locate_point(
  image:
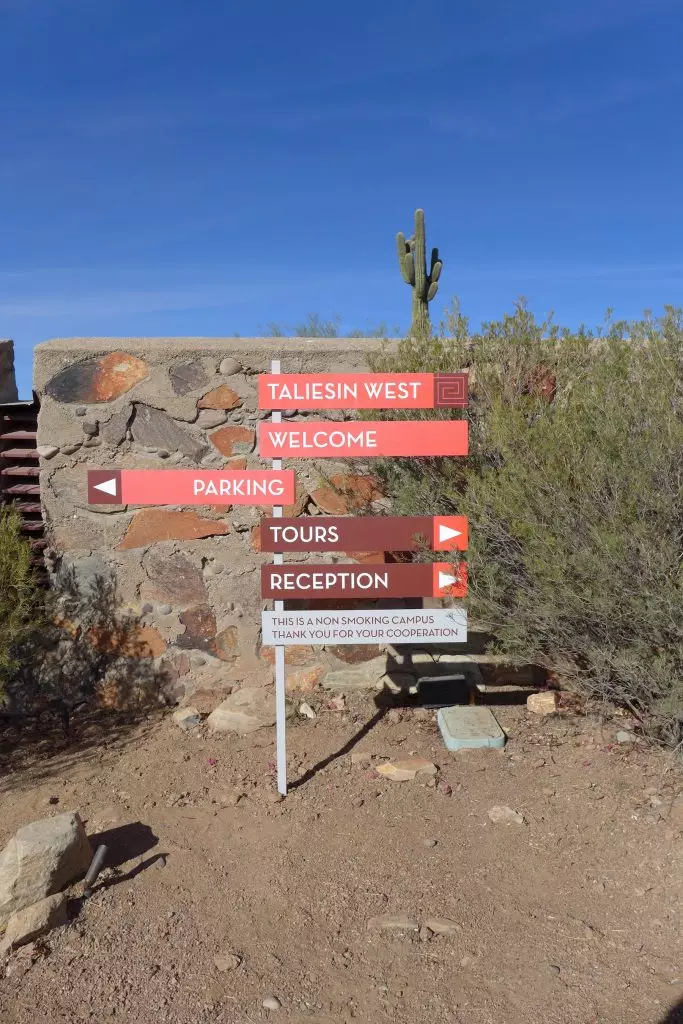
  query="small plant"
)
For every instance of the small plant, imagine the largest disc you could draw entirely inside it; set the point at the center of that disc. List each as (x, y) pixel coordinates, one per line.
(21, 604)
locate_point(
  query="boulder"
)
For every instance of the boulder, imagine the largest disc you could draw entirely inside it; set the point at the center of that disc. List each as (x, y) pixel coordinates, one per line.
(30, 923)
(245, 711)
(40, 860)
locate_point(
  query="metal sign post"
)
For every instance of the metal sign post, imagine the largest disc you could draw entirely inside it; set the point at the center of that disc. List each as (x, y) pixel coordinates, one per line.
(280, 738)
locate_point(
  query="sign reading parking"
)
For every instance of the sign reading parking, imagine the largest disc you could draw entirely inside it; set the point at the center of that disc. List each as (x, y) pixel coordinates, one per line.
(190, 487)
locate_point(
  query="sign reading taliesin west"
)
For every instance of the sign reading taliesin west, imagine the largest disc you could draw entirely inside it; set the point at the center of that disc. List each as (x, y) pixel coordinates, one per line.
(363, 391)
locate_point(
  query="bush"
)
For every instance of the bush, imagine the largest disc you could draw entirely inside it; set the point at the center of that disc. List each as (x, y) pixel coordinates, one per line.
(574, 490)
(20, 597)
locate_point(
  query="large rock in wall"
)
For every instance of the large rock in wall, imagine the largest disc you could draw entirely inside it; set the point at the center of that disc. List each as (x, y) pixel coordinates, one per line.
(189, 576)
(8, 383)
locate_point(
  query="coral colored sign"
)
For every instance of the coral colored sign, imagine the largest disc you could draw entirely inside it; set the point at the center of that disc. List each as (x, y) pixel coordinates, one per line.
(322, 440)
(439, 579)
(362, 391)
(364, 533)
(190, 487)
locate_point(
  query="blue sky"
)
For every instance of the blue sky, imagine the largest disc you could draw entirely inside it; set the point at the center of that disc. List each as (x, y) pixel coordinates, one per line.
(208, 167)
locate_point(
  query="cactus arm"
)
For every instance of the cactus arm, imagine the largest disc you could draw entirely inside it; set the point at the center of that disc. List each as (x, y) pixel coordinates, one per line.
(403, 253)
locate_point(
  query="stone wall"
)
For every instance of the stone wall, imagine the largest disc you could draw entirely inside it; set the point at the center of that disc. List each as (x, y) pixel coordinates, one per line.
(190, 576)
(8, 383)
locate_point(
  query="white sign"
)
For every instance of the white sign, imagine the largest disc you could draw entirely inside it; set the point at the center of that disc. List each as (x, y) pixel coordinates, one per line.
(379, 626)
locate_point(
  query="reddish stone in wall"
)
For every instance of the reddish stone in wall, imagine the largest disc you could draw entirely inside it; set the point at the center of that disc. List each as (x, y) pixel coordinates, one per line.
(153, 525)
(224, 645)
(305, 680)
(173, 578)
(234, 440)
(288, 511)
(220, 398)
(366, 557)
(239, 463)
(97, 380)
(200, 627)
(294, 655)
(133, 642)
(346, 492)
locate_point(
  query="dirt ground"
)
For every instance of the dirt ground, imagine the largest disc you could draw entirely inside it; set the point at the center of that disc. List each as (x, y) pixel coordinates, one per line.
(573, 916)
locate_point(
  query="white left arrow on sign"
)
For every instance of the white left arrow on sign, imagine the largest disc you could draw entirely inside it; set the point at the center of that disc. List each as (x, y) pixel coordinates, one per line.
(108, 486)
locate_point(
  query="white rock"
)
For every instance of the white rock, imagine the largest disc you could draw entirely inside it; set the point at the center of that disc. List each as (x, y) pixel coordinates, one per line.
(244, 711)
(406, 769)
(47, 451)
(393, 923)
(229, 366)
(227, 961)
(505, 814)
(40, 859)
(271, 1003)
(187, 718)
(625, 737)
(542, 703)
(306, 710)
(30, 923)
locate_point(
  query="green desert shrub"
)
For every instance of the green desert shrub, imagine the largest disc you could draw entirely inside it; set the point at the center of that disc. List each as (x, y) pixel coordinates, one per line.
(21, 604)
(574, 491)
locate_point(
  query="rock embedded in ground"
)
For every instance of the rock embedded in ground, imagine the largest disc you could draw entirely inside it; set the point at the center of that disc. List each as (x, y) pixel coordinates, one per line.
(244, 712)
(542, 703)
(625, 737)
(502, 813)
(442, 926)
(227, 961)
(187, 718)
(393, 923)
(406, 769)
(271, 1003)
(40, 859)
(26, 925)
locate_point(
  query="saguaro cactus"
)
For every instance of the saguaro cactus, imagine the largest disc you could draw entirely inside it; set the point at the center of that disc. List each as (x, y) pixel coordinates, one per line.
(412, 258)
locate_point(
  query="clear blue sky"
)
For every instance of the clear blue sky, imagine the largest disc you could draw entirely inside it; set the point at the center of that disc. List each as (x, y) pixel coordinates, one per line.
(206, 167)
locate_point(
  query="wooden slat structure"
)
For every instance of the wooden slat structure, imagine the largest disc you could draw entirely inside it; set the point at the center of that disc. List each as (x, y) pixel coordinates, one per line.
(20, 472)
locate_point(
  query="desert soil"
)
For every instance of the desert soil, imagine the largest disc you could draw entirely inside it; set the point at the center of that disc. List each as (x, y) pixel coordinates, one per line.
(216, 897)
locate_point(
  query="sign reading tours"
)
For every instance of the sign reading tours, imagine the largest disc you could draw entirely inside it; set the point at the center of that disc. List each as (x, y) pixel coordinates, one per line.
(398, 626)
(190, 487)
(311, 582)
(362, 391)
(364, 533)
(320, 440)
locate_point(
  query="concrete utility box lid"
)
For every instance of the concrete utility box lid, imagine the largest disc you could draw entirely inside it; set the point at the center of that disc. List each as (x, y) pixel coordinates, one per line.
(472, 726)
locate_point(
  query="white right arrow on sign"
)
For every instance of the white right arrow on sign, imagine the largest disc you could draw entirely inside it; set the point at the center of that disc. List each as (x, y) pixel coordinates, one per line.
(446, 580)
(446, 533)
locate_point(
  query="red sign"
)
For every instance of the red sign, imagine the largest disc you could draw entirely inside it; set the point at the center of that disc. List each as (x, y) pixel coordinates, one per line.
(190, 487)
(280, 582)
(322, 440)
(362, 391)
(364, 533)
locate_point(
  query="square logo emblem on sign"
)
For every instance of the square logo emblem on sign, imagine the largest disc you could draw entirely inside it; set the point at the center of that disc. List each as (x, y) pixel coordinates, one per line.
(450, 391)
(104, 487)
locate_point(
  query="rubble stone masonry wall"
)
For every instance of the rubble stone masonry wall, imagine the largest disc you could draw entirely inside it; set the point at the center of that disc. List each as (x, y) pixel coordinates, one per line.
(8, 383)
(190, 576)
